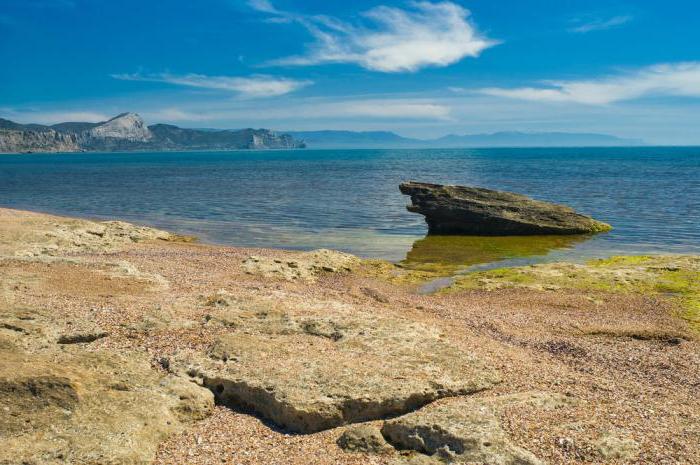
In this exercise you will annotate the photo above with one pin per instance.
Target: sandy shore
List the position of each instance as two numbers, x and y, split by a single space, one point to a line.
625 356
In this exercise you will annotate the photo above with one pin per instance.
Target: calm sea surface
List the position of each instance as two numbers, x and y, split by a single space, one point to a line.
349 199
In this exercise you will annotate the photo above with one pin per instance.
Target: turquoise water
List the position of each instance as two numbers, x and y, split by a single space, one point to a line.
349 199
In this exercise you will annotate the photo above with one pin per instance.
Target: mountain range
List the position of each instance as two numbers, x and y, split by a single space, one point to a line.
128 132
384 139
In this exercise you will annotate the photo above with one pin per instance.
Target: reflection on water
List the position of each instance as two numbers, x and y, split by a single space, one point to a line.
448 254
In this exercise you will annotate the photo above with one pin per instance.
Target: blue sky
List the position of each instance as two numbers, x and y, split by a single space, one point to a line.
420 68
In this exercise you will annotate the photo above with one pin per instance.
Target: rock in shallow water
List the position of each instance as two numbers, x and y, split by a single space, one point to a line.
483 212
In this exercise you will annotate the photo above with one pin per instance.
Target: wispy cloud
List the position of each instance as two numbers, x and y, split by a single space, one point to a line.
390 40
391 109
386 109
53 117
251 86
673 79
600 24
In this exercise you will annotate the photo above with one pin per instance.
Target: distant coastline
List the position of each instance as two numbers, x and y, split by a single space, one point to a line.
128 132
510 139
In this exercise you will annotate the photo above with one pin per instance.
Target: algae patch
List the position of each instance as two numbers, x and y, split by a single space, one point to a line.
674 276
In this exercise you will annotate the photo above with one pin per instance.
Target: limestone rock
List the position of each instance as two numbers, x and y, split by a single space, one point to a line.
363 439
37 141
464 431
127 126
316 368
611 447
29 234
483 212
77 407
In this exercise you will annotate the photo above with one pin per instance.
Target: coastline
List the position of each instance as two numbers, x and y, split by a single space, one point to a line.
613 342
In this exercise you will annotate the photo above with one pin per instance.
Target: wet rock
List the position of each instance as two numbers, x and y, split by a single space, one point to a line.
363 439
464 431
316 368
483 212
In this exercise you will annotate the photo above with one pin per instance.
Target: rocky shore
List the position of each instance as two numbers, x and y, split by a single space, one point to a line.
122 344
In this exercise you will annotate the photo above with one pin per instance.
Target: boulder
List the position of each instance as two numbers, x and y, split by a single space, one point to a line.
459 210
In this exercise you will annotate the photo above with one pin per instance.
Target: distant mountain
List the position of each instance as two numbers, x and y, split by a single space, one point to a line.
351 139
128 132
383 139
534 139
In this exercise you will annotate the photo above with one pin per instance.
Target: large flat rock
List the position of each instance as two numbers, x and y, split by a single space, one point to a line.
483 212
314 368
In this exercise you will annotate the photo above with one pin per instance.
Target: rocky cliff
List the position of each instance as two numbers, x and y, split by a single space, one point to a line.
37 141
128 132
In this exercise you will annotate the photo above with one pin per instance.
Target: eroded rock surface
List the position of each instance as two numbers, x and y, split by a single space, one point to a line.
363 438
30 234
317 367
477 211
461 431
72 406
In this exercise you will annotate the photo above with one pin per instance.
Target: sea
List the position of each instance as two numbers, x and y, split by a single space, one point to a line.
349 200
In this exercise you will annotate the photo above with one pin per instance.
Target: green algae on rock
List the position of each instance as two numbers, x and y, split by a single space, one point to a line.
446 255
674 276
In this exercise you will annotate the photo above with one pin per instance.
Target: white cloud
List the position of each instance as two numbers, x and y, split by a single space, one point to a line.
427 34
53 117
251 86
387 109
174 114
674 79
601 24
262 5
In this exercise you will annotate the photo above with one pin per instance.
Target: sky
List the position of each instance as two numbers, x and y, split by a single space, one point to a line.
419 68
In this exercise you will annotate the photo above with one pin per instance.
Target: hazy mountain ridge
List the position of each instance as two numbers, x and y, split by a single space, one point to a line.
385 139
128 132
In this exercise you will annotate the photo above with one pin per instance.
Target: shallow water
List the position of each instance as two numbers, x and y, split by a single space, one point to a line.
349 199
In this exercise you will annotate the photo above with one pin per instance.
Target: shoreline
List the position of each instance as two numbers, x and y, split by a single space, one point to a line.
323 149
573 363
